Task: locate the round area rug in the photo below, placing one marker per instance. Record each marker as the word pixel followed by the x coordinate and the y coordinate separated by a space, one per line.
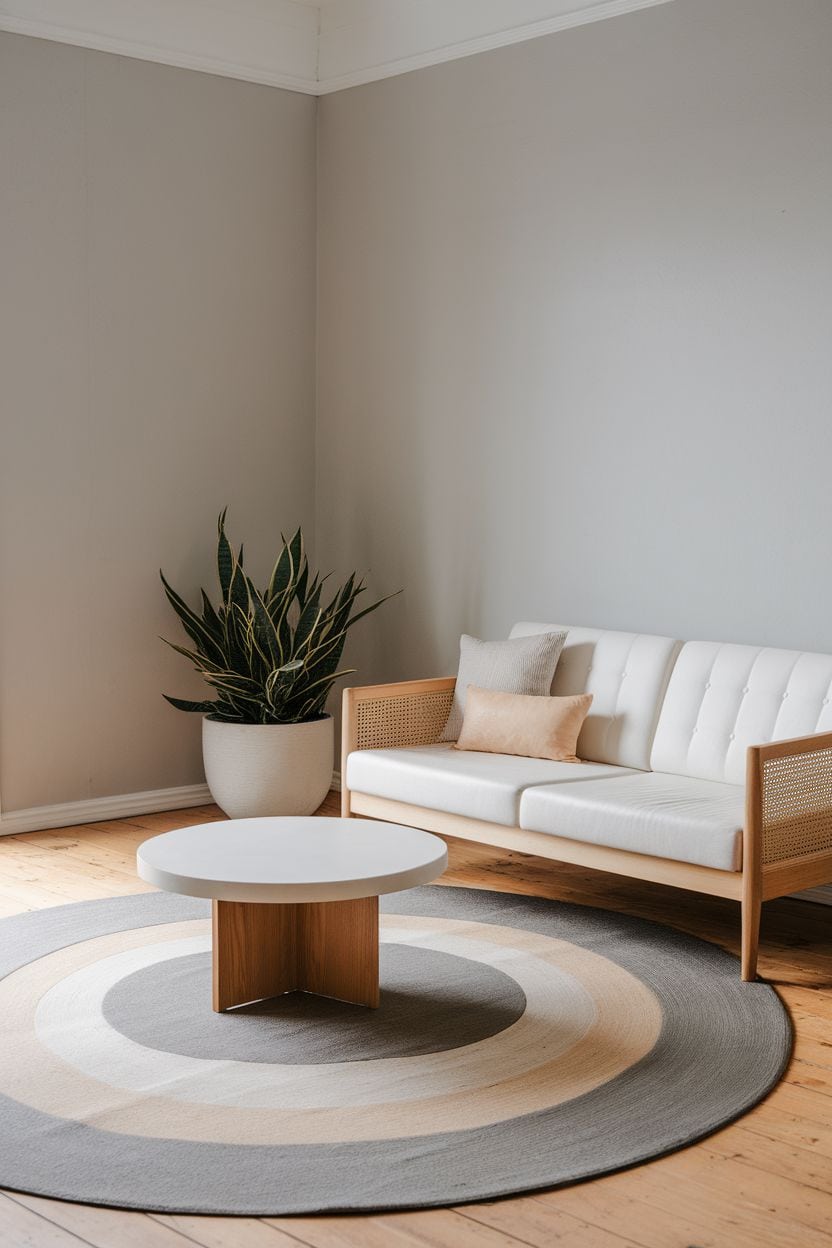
pixel 520 1043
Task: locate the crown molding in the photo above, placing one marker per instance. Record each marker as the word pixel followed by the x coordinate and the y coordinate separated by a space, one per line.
pixel 582 13
pixel 297 44
pixel 273 42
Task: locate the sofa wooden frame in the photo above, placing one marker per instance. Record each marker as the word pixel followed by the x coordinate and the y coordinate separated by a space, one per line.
pixel 787 837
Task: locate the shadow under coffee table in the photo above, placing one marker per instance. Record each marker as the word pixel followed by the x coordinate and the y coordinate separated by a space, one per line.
pixel 295 900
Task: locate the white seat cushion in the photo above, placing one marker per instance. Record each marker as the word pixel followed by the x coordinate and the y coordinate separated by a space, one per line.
pixel 461 782
pixel 722 698
pixel 627 675
pixel 687 820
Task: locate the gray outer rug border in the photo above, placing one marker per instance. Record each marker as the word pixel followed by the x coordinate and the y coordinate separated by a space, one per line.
pixel 690 958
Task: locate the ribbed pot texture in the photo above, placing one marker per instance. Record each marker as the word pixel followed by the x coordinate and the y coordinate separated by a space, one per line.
pixel 268 769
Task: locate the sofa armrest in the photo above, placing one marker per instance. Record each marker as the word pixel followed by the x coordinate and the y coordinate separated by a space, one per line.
pixel 789 801
pixel 411 712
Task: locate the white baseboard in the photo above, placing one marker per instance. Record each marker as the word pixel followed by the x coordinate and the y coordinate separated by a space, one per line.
pixel 121 806
pixel 96 809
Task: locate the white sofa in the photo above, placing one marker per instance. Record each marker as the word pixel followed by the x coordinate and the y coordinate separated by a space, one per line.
pixel 707 766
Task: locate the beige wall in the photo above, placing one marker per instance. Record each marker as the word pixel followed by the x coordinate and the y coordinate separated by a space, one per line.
pixel 575 316
pixel 157 254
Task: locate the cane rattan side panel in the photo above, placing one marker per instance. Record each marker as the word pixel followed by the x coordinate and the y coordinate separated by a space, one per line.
pixel 407 719
pixel 797 805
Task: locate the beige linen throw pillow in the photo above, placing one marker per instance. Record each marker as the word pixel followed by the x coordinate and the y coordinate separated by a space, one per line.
pixel 518 665
pixel 519 723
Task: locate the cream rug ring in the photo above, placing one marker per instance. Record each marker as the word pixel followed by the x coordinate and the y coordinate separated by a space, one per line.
pixel 520 1043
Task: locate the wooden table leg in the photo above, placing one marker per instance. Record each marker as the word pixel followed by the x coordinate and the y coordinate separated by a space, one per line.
pixel 262 950
pixel 339 949
pixel 254 952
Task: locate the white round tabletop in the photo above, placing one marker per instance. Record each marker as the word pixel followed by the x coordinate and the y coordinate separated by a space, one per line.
pixel 291 859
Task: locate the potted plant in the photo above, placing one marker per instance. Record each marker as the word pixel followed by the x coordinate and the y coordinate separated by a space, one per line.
pixel 272 656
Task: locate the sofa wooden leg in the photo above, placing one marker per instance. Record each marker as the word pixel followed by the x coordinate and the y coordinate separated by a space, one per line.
pixel 751 909
pixel 752 862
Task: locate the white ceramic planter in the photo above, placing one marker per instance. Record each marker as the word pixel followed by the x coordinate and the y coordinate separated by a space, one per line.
pixel 268 769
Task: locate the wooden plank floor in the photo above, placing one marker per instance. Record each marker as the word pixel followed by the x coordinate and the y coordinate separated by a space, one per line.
pixel 764 1182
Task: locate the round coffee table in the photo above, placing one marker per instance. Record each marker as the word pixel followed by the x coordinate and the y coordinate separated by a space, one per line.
pixel 295 900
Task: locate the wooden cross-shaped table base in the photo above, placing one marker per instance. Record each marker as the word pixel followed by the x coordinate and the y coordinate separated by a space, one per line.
pixel 263 949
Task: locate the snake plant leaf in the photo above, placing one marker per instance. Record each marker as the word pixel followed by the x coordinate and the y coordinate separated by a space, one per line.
pixel 195 627
pixel 280 576
pixel 302 582
pixel 227 704
pixel 200 661
pixel 308 708
pixel 232 693
pixel 326 654
pixel 338 612
pixel 328 679
pixel 280 681
pixel 346 589
pixel 373 607
pixel 226 713
pixel 264 633
pixel 238 588
pixel 310 590
pixel 296 550
pixel 210 618
pixel 225 556
pixel 284 636
pixel 286 568
pixel 309 619
pixel 239 680
pixel 182 704
pixel 236 651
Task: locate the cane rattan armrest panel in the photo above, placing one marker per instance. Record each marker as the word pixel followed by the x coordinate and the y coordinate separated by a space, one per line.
pixel 796 805
pixel 410 713
pixel 796 799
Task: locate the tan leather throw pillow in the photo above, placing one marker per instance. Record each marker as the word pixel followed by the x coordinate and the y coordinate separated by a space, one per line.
pixel 524 724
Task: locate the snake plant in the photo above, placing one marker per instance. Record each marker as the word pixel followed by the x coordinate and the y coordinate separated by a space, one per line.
pixel 270 654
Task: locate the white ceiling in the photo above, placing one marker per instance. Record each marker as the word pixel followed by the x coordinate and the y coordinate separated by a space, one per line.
pixel 302 44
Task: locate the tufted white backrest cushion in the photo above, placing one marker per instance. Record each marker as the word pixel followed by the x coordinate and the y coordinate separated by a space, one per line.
pixel 722 698
pixel 627 674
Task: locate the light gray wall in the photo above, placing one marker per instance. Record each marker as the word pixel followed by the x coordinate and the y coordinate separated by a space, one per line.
pixel 575 334
pixel 157 254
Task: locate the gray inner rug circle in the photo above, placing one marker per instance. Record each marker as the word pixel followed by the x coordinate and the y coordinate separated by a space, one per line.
pixel 723 1045
pixel 430 1001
